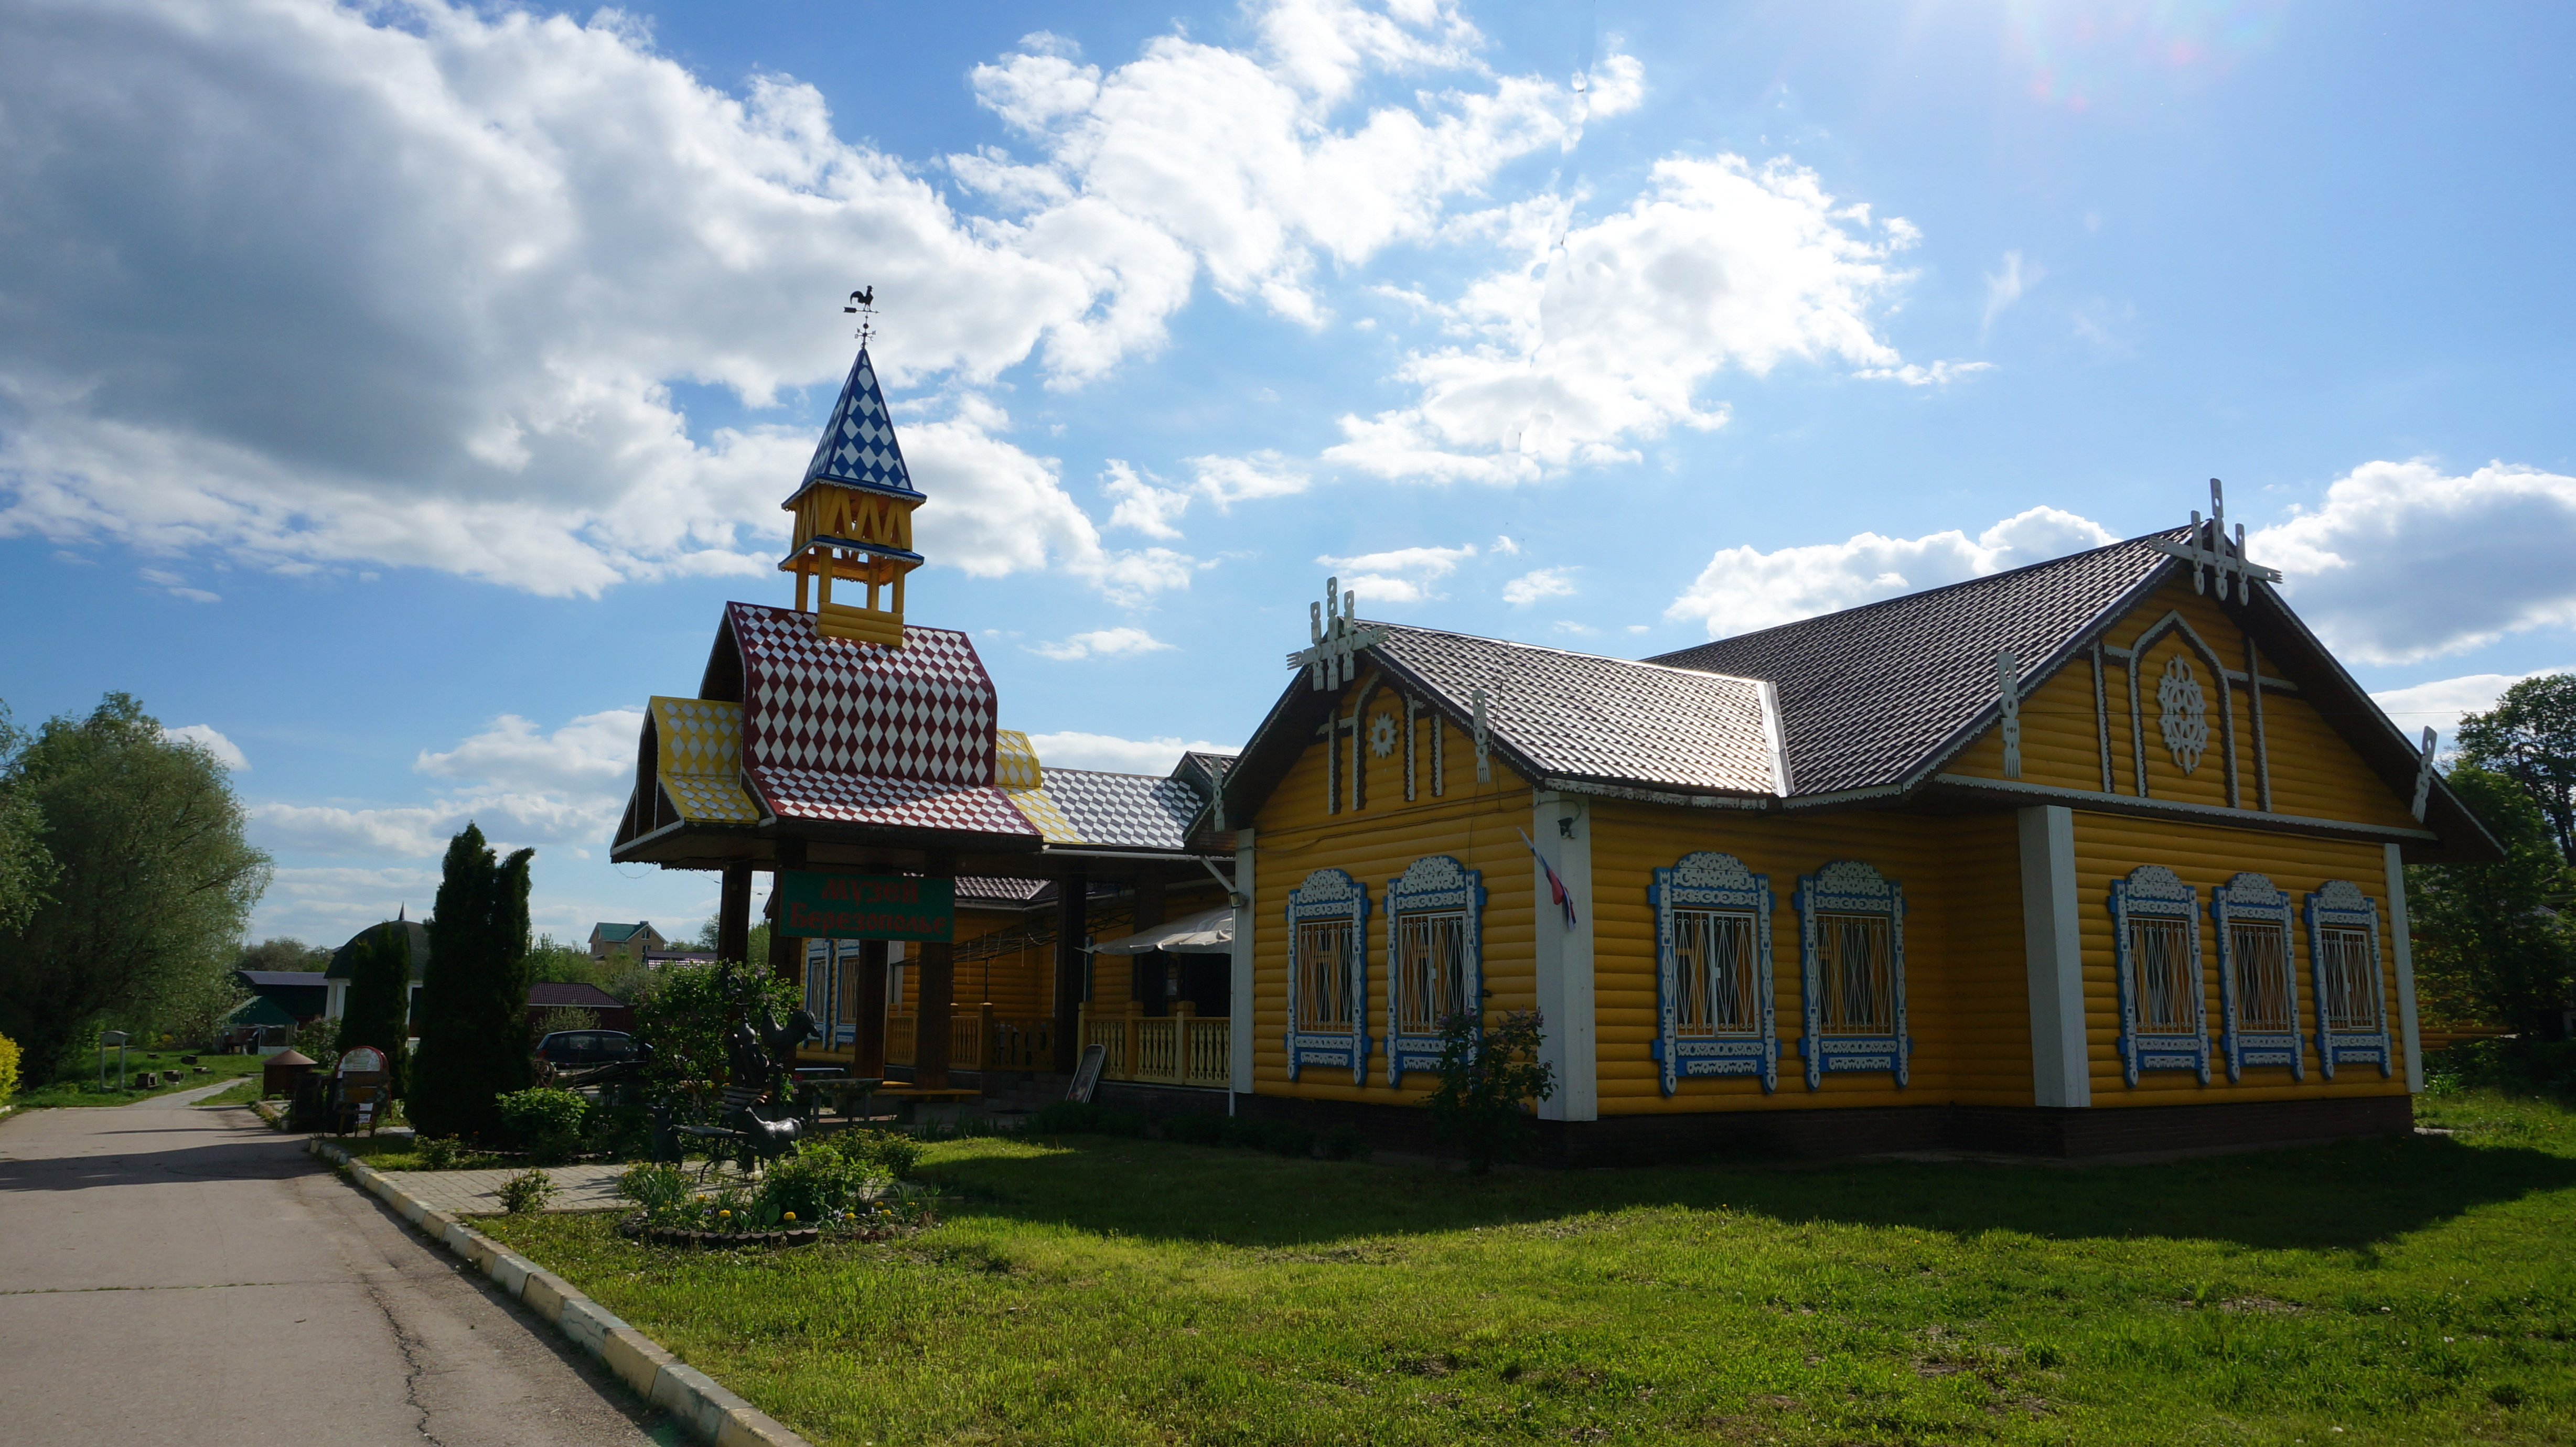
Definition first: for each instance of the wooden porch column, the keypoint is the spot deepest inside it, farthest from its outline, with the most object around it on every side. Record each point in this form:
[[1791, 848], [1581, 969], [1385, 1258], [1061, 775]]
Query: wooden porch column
[[1072, 968], [733, 913], [871, 1011], [786, 957], [938, 993]]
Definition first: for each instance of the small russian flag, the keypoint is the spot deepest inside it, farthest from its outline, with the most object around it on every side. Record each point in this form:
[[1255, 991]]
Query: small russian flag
[[1555, 887]]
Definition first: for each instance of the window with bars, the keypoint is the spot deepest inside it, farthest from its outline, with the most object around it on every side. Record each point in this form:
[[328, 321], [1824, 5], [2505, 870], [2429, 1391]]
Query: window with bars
[[1324, 976], [1430, 977], [1858, 974], [2168, 981], [2266, 1001], [1715, 991], [2350, 970]]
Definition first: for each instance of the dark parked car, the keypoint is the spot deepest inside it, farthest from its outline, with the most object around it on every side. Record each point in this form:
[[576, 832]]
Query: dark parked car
[[571, 1049]]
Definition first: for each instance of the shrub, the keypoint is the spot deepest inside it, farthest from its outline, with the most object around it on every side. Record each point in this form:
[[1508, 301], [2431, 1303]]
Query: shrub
[[1345, 1143], [1485, 1074], [660, 1192], [1196, 1130], [437, 1152], [2517, 1064], [817, 1183], [527, 1191], [545, 1123], [1069, 1117], [8, 1068], [887, 1155]]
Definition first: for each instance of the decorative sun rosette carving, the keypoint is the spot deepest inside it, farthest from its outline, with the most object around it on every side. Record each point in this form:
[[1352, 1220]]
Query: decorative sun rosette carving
[[2185, 713], [1381, 736]]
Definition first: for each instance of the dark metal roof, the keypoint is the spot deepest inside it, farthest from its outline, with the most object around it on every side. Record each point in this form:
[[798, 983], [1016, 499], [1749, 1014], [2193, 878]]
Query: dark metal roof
[[340, 960], [282, 979], [551, 994], [1868, 694]]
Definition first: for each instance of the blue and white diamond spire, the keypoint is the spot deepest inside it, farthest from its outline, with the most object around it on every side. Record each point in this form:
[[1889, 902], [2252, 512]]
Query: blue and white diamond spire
[[858, 448]]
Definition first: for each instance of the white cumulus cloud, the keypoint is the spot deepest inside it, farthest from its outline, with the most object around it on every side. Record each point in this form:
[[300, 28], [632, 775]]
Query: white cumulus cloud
[[1579, 351], [1539, 583], [226, 752], [1744, 588], [1104, 643], [1397, 575], [2438, 705], [1116, 755], [2404, 561]]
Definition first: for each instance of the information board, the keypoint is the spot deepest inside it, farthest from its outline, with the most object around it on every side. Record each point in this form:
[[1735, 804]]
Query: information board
[[815, 904]]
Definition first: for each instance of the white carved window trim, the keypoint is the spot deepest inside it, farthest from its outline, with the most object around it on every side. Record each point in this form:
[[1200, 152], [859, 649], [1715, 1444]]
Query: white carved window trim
[[1714, 884], [1330, 895], [1849, 887], [2339, 905], [2251, 898], [2153, 893], [1433, 885]]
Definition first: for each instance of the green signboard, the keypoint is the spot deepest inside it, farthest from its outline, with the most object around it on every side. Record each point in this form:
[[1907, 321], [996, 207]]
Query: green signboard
[[814, 904]]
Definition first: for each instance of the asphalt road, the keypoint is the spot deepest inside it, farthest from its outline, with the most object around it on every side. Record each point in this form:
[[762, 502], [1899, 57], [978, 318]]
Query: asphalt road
[[170, 1274]]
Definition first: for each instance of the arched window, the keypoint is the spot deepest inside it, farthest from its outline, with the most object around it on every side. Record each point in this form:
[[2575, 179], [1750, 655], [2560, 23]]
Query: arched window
[[1851, 955], [1434, 967], [1714, 1013], [2155, 929], [2258, 987], [1328, 974], [2343, 950]]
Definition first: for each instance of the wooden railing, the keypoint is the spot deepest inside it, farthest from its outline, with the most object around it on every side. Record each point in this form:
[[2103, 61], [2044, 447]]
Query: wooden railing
[[978, 1039], [1175, 1049]]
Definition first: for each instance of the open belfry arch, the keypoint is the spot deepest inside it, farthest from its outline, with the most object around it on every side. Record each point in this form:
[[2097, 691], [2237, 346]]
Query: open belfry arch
[[849, 750], [2103, 853]]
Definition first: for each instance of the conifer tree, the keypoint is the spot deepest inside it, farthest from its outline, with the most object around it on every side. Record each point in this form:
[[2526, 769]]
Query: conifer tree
[[474, 996], [379, 1008]]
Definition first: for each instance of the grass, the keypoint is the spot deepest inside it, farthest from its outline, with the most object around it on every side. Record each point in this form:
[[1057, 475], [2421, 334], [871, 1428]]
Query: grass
[[1091, 1290], [82, 1089], [399, 1153]]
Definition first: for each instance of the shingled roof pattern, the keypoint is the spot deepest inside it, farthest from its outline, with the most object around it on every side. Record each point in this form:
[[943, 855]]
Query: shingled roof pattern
[[1583, 716], [1125, 811], [1866, 694]]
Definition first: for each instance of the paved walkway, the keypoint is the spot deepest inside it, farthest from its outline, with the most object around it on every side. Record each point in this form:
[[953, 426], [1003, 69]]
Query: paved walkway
[[171, 1275], [478, 1193]]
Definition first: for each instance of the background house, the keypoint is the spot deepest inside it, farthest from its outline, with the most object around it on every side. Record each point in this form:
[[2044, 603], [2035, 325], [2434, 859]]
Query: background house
[[344, 959], [299, 995], [610, 1012], [625, 944]]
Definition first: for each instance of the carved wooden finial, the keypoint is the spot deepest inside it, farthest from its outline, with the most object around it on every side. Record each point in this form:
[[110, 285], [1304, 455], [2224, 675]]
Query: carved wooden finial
[[2214, 556], [1333, 638]]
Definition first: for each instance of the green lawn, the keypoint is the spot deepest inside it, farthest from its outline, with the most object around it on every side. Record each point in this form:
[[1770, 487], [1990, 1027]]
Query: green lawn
[[1102, 1290], [82, 1089]]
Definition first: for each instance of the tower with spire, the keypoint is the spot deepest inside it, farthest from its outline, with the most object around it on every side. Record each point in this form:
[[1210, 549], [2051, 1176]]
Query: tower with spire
[[854, 519]]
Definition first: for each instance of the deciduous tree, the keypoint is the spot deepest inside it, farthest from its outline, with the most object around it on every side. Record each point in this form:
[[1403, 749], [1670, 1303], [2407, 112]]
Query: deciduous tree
[[2485, 936], [2530, 738], [153, 880]]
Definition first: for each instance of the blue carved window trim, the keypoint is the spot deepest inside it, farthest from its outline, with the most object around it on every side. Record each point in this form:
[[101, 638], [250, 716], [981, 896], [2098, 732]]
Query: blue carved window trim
[[1849, 887], [1435, 883], [2340, 904], [1717, 883], [1329, 895], [2252, 898], [2153, 892]]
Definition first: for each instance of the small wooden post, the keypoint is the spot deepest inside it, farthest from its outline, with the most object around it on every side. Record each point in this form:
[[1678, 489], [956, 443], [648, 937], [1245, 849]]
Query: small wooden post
[[1133, 1055], [1072, 968], [733, 913], [871, 1009], [936, 1003], [1184, 1015]]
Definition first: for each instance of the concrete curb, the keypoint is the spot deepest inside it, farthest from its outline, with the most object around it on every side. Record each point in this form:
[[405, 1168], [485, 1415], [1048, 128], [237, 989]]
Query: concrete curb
[[715, 1414]]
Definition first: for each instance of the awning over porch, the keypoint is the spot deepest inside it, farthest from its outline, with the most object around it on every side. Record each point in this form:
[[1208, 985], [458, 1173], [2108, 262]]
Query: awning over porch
[[1207, 932]]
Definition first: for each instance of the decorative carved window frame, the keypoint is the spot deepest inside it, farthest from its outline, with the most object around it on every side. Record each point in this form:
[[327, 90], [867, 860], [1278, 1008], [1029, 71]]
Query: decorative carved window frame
[[2341, 903], [2251, 896], [1707, 880], [2154, 892], [1848, 886], [1433, 882], [1330, 894]]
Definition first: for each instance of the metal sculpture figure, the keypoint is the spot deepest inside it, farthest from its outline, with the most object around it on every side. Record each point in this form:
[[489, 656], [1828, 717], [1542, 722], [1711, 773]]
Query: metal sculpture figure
[[761, 1118]]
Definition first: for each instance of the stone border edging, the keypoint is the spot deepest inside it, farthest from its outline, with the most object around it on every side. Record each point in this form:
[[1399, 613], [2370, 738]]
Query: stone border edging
[[711, 1411]]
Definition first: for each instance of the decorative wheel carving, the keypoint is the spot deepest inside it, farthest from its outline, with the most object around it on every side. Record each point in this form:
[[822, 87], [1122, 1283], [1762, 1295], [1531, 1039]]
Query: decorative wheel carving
[[1381, 738]]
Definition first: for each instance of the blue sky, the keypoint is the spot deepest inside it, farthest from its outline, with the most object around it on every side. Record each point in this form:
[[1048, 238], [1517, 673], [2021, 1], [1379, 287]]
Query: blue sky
[[391, 397]]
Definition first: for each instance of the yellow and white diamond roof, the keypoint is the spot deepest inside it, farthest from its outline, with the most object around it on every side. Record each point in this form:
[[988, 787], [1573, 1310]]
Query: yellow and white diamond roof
[[700, 760]]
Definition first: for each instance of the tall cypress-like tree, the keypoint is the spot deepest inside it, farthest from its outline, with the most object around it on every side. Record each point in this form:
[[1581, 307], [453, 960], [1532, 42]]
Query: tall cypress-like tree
[[379, 1008], [474, 996]]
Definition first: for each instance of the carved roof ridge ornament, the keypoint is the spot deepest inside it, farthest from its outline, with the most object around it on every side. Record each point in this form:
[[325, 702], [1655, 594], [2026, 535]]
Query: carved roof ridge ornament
[[2008, 690], [2212, 553], [2424, 774], [1334, 637]]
